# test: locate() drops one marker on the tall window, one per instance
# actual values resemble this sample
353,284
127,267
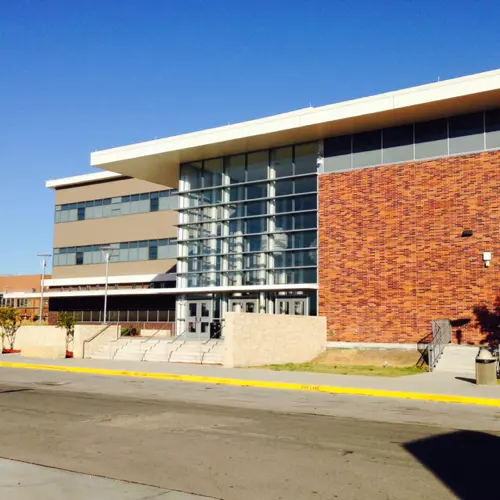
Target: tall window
249,219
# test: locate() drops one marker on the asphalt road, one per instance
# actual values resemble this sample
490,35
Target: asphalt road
240,451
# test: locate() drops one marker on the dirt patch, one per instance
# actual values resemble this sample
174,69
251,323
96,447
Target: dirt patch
369,357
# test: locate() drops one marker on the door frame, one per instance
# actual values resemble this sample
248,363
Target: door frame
291,301
243,302
201,323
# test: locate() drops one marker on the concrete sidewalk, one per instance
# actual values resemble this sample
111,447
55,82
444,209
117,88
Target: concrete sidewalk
24,481
448,384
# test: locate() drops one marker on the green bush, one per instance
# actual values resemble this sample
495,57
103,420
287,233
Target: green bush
128,332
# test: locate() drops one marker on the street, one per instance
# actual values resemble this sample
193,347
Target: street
243,443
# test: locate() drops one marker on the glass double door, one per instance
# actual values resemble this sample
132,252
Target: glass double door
199,318
293,306
244,305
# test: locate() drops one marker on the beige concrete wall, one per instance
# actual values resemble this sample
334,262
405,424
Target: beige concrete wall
41,341
85,332
168,332
106,189
147,226
161,266
263,339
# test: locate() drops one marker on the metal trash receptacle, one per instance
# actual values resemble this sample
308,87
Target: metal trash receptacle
486,368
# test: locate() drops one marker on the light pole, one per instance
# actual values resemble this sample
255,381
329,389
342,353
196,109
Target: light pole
106,252
45,257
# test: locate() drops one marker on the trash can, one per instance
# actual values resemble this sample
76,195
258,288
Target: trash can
486,368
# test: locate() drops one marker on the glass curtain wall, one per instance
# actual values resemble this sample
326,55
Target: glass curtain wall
249,219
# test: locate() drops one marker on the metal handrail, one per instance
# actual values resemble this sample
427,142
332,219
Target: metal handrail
221,321
432,346
158,330
90,339
144,342
176,338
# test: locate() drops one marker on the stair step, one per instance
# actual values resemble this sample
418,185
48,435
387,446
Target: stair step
187,351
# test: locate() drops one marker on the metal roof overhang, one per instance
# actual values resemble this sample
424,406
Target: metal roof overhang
158,161
167,291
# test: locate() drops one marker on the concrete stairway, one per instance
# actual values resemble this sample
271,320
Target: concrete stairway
125,348
207,352
458,359
163,350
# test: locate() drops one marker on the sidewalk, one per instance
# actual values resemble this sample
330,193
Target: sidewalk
25,481
443,387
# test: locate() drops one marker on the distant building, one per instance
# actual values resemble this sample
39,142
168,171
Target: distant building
22,292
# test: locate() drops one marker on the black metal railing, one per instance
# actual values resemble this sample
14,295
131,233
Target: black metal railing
431,347
124,316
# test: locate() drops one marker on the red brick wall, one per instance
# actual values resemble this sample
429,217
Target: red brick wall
391,254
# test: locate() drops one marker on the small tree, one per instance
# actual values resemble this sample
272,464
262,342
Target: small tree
68,322
10,321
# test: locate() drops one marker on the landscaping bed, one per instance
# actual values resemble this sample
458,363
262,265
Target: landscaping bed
375,362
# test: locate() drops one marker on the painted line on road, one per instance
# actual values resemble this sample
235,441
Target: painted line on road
262,384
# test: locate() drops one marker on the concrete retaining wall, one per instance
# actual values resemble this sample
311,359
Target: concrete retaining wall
85,332
41,342
261,339
158,333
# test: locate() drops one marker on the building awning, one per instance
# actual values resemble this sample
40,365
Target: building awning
158,160
167,291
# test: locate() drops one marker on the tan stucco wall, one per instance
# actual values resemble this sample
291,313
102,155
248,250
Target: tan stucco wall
107,189
262,339
161,266
41,341
148,226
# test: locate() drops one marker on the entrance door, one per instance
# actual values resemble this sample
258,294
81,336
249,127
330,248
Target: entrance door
246,305
199,317
294,306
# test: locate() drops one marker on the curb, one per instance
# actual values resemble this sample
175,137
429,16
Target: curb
261,384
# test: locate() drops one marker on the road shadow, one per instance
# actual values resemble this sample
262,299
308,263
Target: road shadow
464,461
466,379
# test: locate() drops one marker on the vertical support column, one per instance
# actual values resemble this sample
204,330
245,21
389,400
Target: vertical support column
212,246
262,303
238,258
224,263
180,314
224,305
181,246
271,224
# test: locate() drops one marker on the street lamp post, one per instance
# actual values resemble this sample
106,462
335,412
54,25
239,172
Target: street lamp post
44,257
106,252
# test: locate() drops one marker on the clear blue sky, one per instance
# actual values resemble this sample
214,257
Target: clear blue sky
76,76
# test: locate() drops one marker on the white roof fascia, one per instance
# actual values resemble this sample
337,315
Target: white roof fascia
166,291
112,280
414,96
81,179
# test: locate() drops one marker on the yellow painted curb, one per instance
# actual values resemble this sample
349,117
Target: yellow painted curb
353,391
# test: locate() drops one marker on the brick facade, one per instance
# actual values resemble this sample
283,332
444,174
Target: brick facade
391,252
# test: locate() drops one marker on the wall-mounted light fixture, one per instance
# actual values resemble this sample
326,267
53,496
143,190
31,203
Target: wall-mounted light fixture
466,233
487,259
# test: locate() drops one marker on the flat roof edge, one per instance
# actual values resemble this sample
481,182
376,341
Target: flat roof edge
81,179
412,96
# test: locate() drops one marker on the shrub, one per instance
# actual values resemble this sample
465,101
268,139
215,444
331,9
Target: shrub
10,321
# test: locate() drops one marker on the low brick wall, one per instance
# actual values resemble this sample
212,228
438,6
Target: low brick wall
261,339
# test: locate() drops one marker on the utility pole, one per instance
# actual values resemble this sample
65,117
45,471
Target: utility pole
45,257
106,252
